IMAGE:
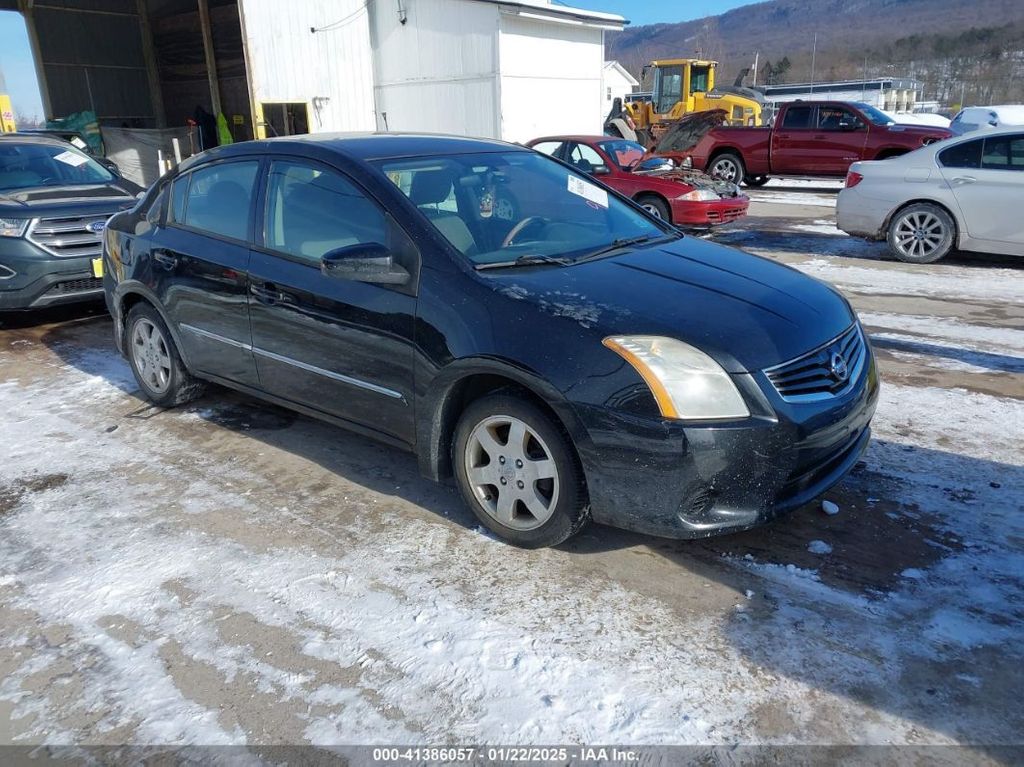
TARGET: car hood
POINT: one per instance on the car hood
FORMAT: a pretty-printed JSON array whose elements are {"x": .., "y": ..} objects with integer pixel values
[
  {"x": 747, "y": 312},
  {"x": 72, "y": 200},
  {"x": 923, "y": 131},
  {"x": 686, "y": 132},
  {"x": 692, "y": 178}
]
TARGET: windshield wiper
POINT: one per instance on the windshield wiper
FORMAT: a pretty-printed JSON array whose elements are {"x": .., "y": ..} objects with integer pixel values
[
  {"x": 619, "y": 244},
  {"x": 528, "y": 260}
]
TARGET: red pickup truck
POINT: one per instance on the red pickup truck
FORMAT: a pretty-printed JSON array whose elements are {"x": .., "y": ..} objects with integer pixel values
[{"x": 807, "y": 138}]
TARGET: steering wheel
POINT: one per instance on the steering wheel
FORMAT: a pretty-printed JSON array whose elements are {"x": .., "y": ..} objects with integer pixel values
[{"x": 518, "y": 229}]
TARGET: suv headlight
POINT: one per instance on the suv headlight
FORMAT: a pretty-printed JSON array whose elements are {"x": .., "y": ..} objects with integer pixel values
[
  {"x": 686, "y": 383},
  {"x": 13, "y": 227},
  {"x": 700, "y": 195}
]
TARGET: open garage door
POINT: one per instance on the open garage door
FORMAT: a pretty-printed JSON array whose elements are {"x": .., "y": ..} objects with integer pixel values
[{"x": 140, "y": 63}]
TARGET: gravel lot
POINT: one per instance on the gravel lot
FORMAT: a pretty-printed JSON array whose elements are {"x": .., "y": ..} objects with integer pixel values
[{"x": 233, "y": 573}]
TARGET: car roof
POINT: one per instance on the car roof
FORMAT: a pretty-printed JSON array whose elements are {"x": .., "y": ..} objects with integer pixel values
[
  {"x": 583, "y": 138},
  {"x": 372, "y": 146},
  {"x": 34, "y": 138}
]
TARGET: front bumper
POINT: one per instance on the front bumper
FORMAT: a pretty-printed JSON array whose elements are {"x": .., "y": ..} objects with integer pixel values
[
  {"x": 713, "y": 213},
  {"x": 30, "y": 278},
  {"x": 679, "y": 480}
]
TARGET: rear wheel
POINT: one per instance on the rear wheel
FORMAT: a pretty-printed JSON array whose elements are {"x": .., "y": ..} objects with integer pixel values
[
  {"x": 921, "y": 233},
  {"x": 517, "y": 471},
  {"x": 727, "y": 166},
  {"x": 155, "y": 361},
  {"x": 655, "y": 206}
]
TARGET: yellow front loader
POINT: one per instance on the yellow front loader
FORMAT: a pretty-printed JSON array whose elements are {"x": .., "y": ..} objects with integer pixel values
[{"x": 682, "y": 87}]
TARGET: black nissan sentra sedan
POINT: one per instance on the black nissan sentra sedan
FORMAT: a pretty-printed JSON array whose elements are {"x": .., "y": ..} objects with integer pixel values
[{"x": 560, "y": 353}]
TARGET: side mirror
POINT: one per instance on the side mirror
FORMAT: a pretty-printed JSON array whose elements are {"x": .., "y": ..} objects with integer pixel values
[
  {"x": 600, "y": 170},
  {"x": 109, "y": 165},
  {"x": 365, "y": 262}
]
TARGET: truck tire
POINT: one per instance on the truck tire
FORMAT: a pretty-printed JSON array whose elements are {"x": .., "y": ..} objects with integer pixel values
[
  {"x": 727, "y": 166},
  {"x": 921, "y": 233},
  {"x": 756, "y": 181}
]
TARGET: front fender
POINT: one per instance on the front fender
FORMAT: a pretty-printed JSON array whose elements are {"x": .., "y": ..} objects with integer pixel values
[{"x": 438, "y": 408}]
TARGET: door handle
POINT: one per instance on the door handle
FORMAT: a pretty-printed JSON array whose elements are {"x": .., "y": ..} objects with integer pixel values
[
  {"x": 961, "y": 180},
  {"x": 266, "y": 293},
  {"x": 166, "y": 259}
]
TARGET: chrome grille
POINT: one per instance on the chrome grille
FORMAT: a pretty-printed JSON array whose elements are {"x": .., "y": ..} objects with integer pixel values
[
  {"x": 68, "y": 237},
  {"x": 813, "y": 376}
]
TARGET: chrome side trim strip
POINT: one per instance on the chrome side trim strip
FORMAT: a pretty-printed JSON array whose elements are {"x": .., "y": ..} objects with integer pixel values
[
  {"x": 330, "y": 374},
  {"x": 295, "y": 363},
  {"x": 214, "y": 336}
]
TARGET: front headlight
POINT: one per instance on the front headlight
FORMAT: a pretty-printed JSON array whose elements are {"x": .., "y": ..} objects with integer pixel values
[
  {"x": 686, "y": 383},
  {"x": 13, "y": 227},
  {"x": 700, "y": 195}
]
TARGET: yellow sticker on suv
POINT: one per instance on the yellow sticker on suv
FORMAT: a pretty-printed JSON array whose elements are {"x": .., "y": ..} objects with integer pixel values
[{"x": 97, "y": 267}]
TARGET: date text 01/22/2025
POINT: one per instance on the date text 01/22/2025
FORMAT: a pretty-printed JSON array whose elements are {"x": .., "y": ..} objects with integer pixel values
[{"x": 501, "y": 754}]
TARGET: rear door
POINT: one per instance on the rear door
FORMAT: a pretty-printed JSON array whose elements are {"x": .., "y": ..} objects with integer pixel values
[
  {"x": 987, "y": 179},
  {"x": 199, "y": 265},
  {"x": 792, "y": 143},
  {"x": 341, "y": 347}
]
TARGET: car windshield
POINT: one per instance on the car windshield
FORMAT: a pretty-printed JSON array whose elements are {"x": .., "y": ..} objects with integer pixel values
[
  {"x": 498, "y": 207},
  {"x": 876, "y": 116},
  {"x": 28, "y": 165},
  {"x": 623, "y": 153}
]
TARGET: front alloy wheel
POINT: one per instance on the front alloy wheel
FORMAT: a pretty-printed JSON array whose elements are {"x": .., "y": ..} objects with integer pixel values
[
  {"x": 921, "y": 234},
  {"x": 518, "y": 472},
  {"x": 728, "y": 167},
  {"x": 151, "y": 357}
]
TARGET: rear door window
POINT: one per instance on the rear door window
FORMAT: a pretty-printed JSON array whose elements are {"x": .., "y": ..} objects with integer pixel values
[
  {"x": 797, "y": 117},
  {"x": 1003, "y": 153},
  {"x": 965, "y": 155},
  {"x": 219, "y": 199},
  {"x": 548, "y": 147}
]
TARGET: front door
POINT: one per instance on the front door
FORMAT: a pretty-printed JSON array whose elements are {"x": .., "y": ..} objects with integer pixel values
[
  {"x": 199, "y": 267},
  {"x": 989, "y": 189},
  {"x": 839, "y": 141},
  {"x": 342, "y": 347}
]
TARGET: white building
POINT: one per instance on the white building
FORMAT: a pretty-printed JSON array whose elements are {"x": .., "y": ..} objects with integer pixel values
[
  {"x": 490, "y": 68},
  {"x": 511, "y": 69},
  {"x": 618, "y": 83},
  {"x": 890, "y": 94}
]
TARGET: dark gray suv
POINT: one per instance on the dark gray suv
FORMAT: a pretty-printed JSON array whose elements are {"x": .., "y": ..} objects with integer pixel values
[{"x": 54, "y": 203}]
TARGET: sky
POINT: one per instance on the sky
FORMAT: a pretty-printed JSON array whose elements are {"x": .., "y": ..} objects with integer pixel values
[
  {"x": 17, "y": 67},
  {"x": 19, "y": 72}
]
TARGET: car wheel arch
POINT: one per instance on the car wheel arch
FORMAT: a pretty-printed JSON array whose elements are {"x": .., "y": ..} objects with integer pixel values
[
  {"x": 467, "y": 380},
  {"x": 957, "y": 225},
  {"x": 639, "y": 196},
  {"x": 131, "y": 293}
]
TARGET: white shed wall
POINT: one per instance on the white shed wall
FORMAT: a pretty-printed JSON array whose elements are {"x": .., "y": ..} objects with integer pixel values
[
  {"x": 615, "y": 87},
  {"x": 331, "y": 71},
  {"x": 550, "y": 78},
  {"x": 438, "y": 71}
]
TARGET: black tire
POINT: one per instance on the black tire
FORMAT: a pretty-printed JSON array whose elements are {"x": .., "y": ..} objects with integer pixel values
[
  {"x": 921, "y": 233},
  {"x": 656, "y": 206},
  {"x": 756, "y": 181},
  {"x": 728, "y": 166},
  {"x": 613, "y": 130},
  {"x": 179, "y": 386},
  {"x": 569, "y": 507}
]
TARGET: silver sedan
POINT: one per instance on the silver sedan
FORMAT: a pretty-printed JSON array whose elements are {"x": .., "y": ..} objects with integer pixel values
[{"x": 965, "y": 193}]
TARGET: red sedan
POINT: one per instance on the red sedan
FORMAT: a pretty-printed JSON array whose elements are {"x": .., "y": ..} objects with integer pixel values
[{"x": 683, "y": 196}]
